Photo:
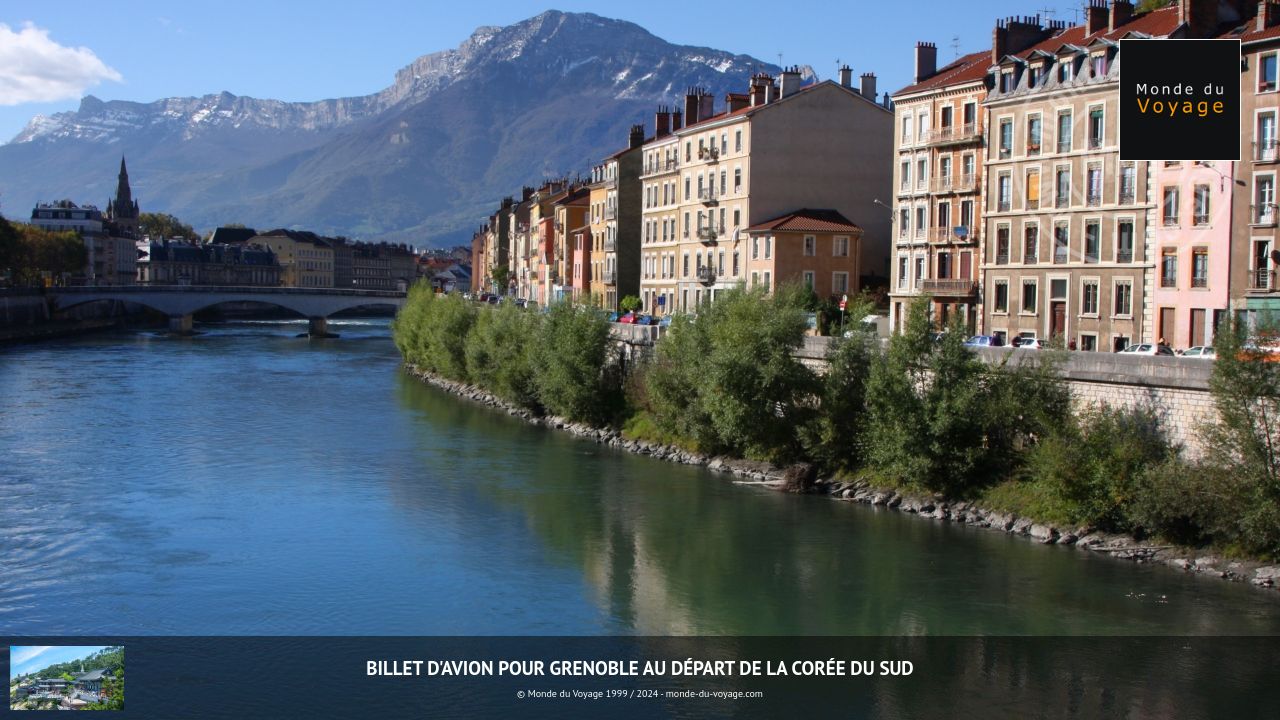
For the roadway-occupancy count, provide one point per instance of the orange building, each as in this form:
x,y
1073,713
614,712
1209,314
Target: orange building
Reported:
x,y
819,248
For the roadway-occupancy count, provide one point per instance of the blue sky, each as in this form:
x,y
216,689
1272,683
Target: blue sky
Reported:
x,y
25,659
51,54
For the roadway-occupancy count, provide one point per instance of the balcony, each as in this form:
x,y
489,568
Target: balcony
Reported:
x,y
610,244
708,196
1002,258
1032,203
1093,200
1199,281
710,154
610,212
1265,152
609,277
1124,255
1003,206
1201,219
953,135
1126,196
1263,214
709,233
1005,153
706,274
1261,280
1064,146
952,288
1095,143
1060,256
948,235
1033,149
1030,256
1061,201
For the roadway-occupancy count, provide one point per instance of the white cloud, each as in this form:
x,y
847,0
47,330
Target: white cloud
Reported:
x,y
34,68
24,654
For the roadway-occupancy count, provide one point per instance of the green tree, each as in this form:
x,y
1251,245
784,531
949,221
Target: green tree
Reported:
x,y
501,276
446,322
499,351
1149,5
163,225
837,436
569,365
630,303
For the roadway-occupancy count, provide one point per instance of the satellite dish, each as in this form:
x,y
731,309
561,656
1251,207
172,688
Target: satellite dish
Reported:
x,y
961,231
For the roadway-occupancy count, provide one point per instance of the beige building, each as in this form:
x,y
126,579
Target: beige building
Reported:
x,y
305,259
593,274
771,151
937,179
1255,287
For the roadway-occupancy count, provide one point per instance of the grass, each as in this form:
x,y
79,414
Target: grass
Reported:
x,y
641,426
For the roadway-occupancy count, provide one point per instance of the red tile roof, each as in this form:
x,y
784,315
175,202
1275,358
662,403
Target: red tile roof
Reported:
x,y
966,69
807,220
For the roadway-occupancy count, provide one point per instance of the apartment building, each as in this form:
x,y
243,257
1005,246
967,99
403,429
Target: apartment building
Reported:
x,y
1255,250
937,179
659,180
819,248
570,210
595,235
774,150
518,244
1192,249
622,219
305,259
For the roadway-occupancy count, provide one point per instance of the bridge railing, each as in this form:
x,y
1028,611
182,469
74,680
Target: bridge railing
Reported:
x,y
237,289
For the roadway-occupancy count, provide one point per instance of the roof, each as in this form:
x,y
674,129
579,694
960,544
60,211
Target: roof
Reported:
x,y
1248,32
807,220
92,674
965,69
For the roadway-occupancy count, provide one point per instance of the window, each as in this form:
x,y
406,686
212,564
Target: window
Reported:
x,y
922,173
1006,81
686,187
1004,186
1124,241
902,272
737,141
1002,296
1168,268
808,279
1064,132
1033,135
1096,132
1202,205
737,180
1265,138
922,221
1088,342
1002,245
1032,200
1062,196
1089,297
1061,243
1064,71
944,170
840,246
735,263
905,182
970,117
1099,63
904,222
1093,185
919,269
766,281
810,245
1029,290
1092,240
1006,138
1200,268
1124,298
768,247
1267,72
966,215
944,217
839,283
1265,200
1170,206
1031,244
906,129
737,217
1033,75
755,248
1128,183
944,266
686,264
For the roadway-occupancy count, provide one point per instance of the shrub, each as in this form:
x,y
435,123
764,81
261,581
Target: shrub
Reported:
x,y
836,437
499,352
446,321
407,328
569,357
1097,464
630,303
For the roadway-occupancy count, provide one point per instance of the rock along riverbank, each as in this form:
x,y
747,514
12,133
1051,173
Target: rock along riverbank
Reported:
x,y
801,479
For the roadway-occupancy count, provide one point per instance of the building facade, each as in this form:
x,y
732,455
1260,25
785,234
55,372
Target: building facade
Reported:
x,y
306,260
937,176
171,262
817,248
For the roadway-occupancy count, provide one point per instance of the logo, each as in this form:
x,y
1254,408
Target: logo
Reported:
x,y
1179,99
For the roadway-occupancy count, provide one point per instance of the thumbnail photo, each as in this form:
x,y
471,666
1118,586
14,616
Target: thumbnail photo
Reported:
x,y
66,677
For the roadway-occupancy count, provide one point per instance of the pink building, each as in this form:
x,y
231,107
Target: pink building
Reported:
x,y
1191,250
581,267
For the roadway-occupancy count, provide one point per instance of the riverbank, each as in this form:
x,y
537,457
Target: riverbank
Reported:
x,y
935,507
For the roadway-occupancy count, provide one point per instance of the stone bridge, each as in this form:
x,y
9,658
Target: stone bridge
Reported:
x,y
180,302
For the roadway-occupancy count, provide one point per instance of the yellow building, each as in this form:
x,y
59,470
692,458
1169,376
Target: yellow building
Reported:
x,y
305,259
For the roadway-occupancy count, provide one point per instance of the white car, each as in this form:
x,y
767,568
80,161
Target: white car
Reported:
x,y
1029,343
1205,352
1148,349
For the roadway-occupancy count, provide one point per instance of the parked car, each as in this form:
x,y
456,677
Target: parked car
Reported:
x,y
1148,349
521,302
984,341
1205,352
664,321
614,317
494,299
645,320
1028,343
628,319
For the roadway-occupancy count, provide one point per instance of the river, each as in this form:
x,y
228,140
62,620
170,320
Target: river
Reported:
x,y
249,482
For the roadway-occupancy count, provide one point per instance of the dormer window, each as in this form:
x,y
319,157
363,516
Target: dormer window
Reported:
x,y
1033,77
1099,62
1064,70
1006,81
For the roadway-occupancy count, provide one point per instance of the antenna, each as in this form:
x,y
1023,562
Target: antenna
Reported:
x,y
955,45
779,58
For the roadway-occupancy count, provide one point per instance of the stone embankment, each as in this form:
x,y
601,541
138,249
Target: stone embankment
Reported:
x,y
800,478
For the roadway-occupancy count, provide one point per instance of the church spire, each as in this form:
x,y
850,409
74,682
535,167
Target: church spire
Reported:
x,y
123,209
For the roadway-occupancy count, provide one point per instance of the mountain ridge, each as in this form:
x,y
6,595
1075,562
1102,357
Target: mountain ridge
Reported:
x,y
419,161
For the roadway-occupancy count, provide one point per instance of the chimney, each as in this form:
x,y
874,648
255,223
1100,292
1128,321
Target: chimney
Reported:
x,y
662,122
758,84
691,106
770,92
706,104
1121,11
846,76
790,81
1200,17
1095,16
868,88
735,101
1268,14
677,121
1015,34
636,139
926,60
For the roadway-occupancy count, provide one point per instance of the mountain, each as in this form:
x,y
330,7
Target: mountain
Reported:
x,y
421,161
